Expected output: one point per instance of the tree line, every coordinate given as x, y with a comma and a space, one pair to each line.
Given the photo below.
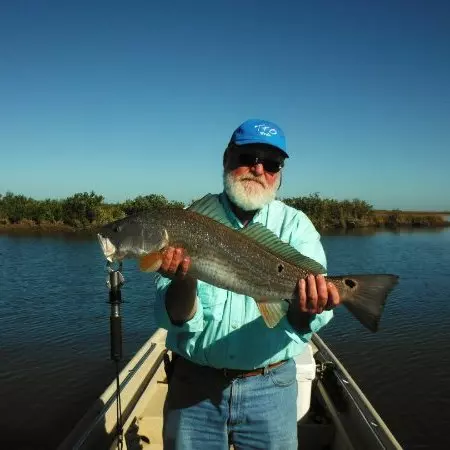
86, 210
330, 213
81, 210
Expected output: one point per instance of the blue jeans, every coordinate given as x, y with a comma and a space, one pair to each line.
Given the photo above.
204, 410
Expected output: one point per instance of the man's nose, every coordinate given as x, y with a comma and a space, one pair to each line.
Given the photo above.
257, 169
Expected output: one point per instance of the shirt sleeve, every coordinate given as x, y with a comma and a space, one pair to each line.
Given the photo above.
162, 317
319, 321
306, 240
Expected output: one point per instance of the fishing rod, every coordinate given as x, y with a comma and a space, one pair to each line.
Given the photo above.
115, 281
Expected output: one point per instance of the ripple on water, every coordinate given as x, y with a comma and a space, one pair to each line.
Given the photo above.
55, 333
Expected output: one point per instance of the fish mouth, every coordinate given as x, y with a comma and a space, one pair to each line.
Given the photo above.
108, 248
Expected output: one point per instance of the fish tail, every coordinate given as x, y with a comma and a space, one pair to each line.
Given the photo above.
365, 296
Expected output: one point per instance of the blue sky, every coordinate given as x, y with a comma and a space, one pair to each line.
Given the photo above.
138, 97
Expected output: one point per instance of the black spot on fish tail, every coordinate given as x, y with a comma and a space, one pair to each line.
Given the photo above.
366, 296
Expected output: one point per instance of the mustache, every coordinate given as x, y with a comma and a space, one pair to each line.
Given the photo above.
250, 178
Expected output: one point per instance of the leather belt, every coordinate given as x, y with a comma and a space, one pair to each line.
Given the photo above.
237, 373
231, 373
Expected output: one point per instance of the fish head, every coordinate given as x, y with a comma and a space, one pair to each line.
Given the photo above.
132, 237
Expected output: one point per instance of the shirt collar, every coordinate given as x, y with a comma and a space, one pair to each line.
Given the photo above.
257, 218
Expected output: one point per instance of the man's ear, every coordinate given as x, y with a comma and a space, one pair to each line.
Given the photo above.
225, 157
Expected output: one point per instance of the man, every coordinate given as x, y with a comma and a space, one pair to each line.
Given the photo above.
234, 379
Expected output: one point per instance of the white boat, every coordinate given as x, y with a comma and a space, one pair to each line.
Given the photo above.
332, 411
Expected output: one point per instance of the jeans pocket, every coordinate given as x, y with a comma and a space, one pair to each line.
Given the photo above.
284, 375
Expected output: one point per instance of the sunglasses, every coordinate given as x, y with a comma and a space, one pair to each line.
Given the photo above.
249, 160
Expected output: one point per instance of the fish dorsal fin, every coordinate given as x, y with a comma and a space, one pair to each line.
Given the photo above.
276, 246
210, 206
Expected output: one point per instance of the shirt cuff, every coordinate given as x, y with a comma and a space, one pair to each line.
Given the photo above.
193, 325
315, 325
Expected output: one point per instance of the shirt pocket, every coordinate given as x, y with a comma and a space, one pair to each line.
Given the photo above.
212, 299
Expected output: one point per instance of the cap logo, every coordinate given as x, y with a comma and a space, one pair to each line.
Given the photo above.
264, 130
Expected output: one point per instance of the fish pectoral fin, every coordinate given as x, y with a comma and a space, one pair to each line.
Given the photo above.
272, 313
151, 262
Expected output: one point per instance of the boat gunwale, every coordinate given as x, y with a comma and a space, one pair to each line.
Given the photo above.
366, 410
95, 414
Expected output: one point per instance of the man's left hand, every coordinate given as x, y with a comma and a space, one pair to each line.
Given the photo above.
316, 294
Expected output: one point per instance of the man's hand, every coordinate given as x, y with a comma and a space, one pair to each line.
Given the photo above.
175, 263
315, 294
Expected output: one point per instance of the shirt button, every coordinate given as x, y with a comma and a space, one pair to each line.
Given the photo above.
234, 326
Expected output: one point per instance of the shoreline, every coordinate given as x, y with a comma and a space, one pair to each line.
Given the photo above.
47, 228
64, 229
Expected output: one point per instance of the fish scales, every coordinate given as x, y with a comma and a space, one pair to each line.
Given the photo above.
232, 261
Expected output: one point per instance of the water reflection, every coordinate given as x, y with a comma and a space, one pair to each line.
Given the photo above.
91, 235
371, 231
37, 233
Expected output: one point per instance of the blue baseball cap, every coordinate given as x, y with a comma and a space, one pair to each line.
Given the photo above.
257, 131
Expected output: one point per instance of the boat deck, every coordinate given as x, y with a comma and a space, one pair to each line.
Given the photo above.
145, 431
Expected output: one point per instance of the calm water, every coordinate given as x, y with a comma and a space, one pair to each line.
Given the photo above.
54, 334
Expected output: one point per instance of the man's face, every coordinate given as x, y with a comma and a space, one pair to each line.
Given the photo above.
252, 175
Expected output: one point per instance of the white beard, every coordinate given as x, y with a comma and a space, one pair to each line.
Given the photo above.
247, 194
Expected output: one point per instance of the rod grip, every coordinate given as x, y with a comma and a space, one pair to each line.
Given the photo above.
116, 337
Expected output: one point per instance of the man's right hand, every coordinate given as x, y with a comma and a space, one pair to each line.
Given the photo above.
181, 295
175, 263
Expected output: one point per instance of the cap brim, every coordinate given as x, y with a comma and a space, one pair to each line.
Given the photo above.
256, 141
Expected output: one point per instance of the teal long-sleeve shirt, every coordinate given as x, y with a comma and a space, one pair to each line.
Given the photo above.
227, 330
